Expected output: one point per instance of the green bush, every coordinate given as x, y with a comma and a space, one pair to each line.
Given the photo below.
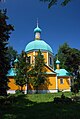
19, 92
2, 100
62, 99
75, 88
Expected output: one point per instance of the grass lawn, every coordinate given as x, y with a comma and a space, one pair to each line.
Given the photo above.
39, 106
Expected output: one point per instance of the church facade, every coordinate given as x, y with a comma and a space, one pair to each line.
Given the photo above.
57, 80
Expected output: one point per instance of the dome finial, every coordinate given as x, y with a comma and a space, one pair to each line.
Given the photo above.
37, 32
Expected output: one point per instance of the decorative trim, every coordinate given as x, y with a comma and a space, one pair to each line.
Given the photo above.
38, 50
66, 90
34, 57
56, 83
47, 59
50, 69
70, 81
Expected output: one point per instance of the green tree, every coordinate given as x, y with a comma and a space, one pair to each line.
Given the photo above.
69, 58
78, 76
75, 88
62, 55
53, 2
22, 71
5, 30
12, 54
38, 71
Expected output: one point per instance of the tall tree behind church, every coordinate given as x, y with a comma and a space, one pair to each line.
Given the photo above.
69, 58
5, 30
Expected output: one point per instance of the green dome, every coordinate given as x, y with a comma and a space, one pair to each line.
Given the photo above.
38, 44
16, 60
37, 29
57, 61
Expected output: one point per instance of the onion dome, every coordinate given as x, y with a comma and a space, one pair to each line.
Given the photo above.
57, 61
38, 45
16, 60
37, 29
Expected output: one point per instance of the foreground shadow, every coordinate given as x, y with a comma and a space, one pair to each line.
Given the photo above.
23, 108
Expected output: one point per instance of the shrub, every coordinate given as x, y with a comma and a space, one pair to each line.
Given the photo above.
62, 99
18, 92
2, 100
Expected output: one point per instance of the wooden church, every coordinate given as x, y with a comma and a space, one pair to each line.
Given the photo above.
58, 80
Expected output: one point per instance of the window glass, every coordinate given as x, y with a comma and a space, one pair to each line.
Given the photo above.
61, 81
50, 60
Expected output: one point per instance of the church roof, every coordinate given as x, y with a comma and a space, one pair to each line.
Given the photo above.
11, 72
38, 45
62, 72
16, 60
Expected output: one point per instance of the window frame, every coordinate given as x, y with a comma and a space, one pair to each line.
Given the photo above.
50, 61
61, 81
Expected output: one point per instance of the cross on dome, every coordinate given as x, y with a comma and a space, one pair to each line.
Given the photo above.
37, 29
37, 22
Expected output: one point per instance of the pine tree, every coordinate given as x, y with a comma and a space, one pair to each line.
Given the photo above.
38, 71
12, 54
22, 71
5, 30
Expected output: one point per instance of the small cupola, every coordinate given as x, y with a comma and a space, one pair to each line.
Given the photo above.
57, 64
37, 32
16, 63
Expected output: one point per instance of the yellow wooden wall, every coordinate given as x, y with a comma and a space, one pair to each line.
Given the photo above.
50, 83
33, 54
12, 84
65, 85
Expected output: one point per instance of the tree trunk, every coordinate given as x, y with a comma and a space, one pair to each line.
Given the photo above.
22, 89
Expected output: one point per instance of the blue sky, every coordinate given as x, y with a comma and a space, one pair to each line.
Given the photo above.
58, 24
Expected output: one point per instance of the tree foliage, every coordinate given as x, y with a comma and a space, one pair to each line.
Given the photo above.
5, 30
75, 88
12, 54
53, 2
69, 58
22, 70
38, 71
